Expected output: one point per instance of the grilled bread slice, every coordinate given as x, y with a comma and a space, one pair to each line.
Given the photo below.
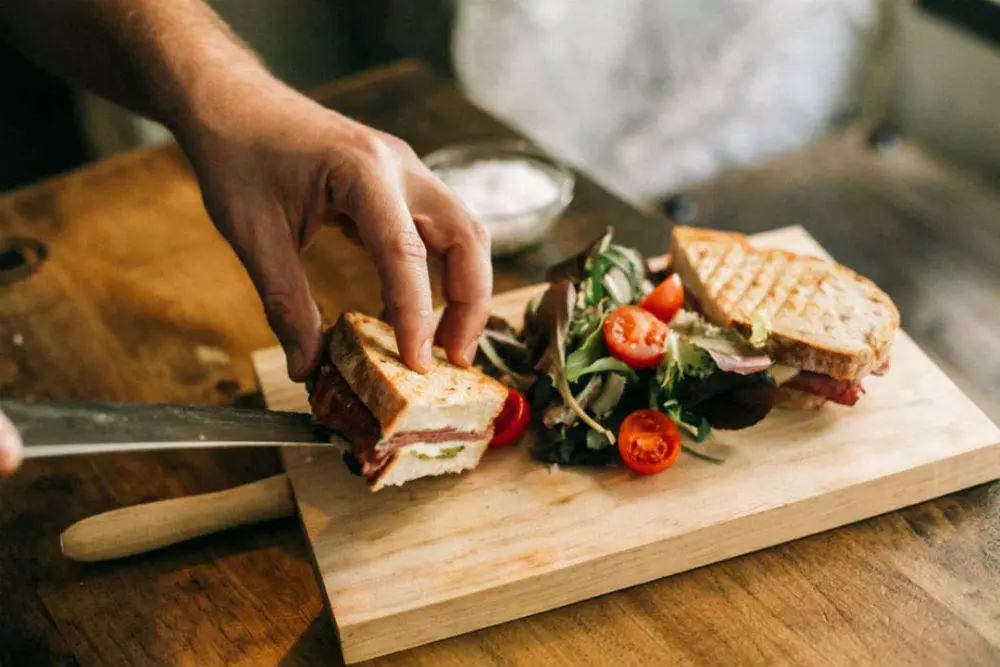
823, 317
445, 415
447, 397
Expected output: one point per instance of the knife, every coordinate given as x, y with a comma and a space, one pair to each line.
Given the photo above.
77, 427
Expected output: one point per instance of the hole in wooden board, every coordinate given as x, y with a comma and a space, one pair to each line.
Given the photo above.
19, 258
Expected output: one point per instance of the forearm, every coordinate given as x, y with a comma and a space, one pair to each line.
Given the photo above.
172, 61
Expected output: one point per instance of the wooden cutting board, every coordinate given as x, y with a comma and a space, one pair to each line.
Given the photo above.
445, 556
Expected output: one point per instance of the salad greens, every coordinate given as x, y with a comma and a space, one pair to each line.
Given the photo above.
579, 393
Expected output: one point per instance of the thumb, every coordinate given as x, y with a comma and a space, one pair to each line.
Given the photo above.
271, 258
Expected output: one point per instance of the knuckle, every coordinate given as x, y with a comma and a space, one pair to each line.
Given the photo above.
394, 144
368, 145
378, 152
466, 231
404, 247
342, 183
480, 234
279, 306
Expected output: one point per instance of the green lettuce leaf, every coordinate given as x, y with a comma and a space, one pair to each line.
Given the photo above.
602, 365
554, 315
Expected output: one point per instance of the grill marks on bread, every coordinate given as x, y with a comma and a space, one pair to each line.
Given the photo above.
824, 317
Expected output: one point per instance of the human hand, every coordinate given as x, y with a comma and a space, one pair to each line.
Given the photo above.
11, 450
274, 165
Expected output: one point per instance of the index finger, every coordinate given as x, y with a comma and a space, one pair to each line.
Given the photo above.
387, 230
468, 279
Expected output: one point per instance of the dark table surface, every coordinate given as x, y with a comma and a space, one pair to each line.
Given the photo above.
139, 299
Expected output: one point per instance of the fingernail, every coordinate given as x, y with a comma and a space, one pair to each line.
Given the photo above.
424, 357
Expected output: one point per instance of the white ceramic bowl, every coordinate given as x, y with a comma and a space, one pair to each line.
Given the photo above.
520, 229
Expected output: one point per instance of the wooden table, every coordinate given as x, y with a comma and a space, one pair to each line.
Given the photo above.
140, 300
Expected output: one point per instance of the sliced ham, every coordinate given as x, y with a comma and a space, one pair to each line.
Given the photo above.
845, 392
373, 458
336, 407
732, 363
432, 437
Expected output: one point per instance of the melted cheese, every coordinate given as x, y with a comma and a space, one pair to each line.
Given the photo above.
783, 374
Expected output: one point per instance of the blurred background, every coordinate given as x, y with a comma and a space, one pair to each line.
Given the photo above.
648, 96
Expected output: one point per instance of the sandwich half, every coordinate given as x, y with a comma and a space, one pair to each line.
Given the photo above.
824, 326
400, 424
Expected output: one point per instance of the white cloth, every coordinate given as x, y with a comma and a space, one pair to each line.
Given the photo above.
649, 96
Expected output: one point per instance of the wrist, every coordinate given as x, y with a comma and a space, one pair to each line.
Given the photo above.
214, 96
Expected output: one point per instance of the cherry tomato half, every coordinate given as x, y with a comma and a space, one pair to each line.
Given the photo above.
649, 442
512, 421
666, 299
635, 336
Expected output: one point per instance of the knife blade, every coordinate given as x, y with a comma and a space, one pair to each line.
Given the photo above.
60, 428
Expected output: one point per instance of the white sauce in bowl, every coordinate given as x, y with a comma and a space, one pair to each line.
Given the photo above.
500, 188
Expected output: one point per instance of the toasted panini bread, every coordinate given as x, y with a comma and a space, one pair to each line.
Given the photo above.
823, 317
364, 350
418, 424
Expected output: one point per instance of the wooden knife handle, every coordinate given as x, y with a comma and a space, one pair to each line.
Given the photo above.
141, 528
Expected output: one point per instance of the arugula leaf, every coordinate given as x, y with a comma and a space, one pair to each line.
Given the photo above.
654, 394
589, 351
704, 429
697, 427
490, 352
708, 336
611, 395
592, 357
603, 365
554, 315
587, 322
618, 287
629, 263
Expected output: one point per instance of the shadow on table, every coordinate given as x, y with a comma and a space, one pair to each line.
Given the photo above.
317, 646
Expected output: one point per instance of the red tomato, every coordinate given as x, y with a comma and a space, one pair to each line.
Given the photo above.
666, 299
649, 442
635, 336
512, 421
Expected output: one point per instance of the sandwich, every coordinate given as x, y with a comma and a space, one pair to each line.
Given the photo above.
400, 425
824, 327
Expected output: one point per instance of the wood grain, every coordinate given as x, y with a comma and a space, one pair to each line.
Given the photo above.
141, 528
141, 300
441, 557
